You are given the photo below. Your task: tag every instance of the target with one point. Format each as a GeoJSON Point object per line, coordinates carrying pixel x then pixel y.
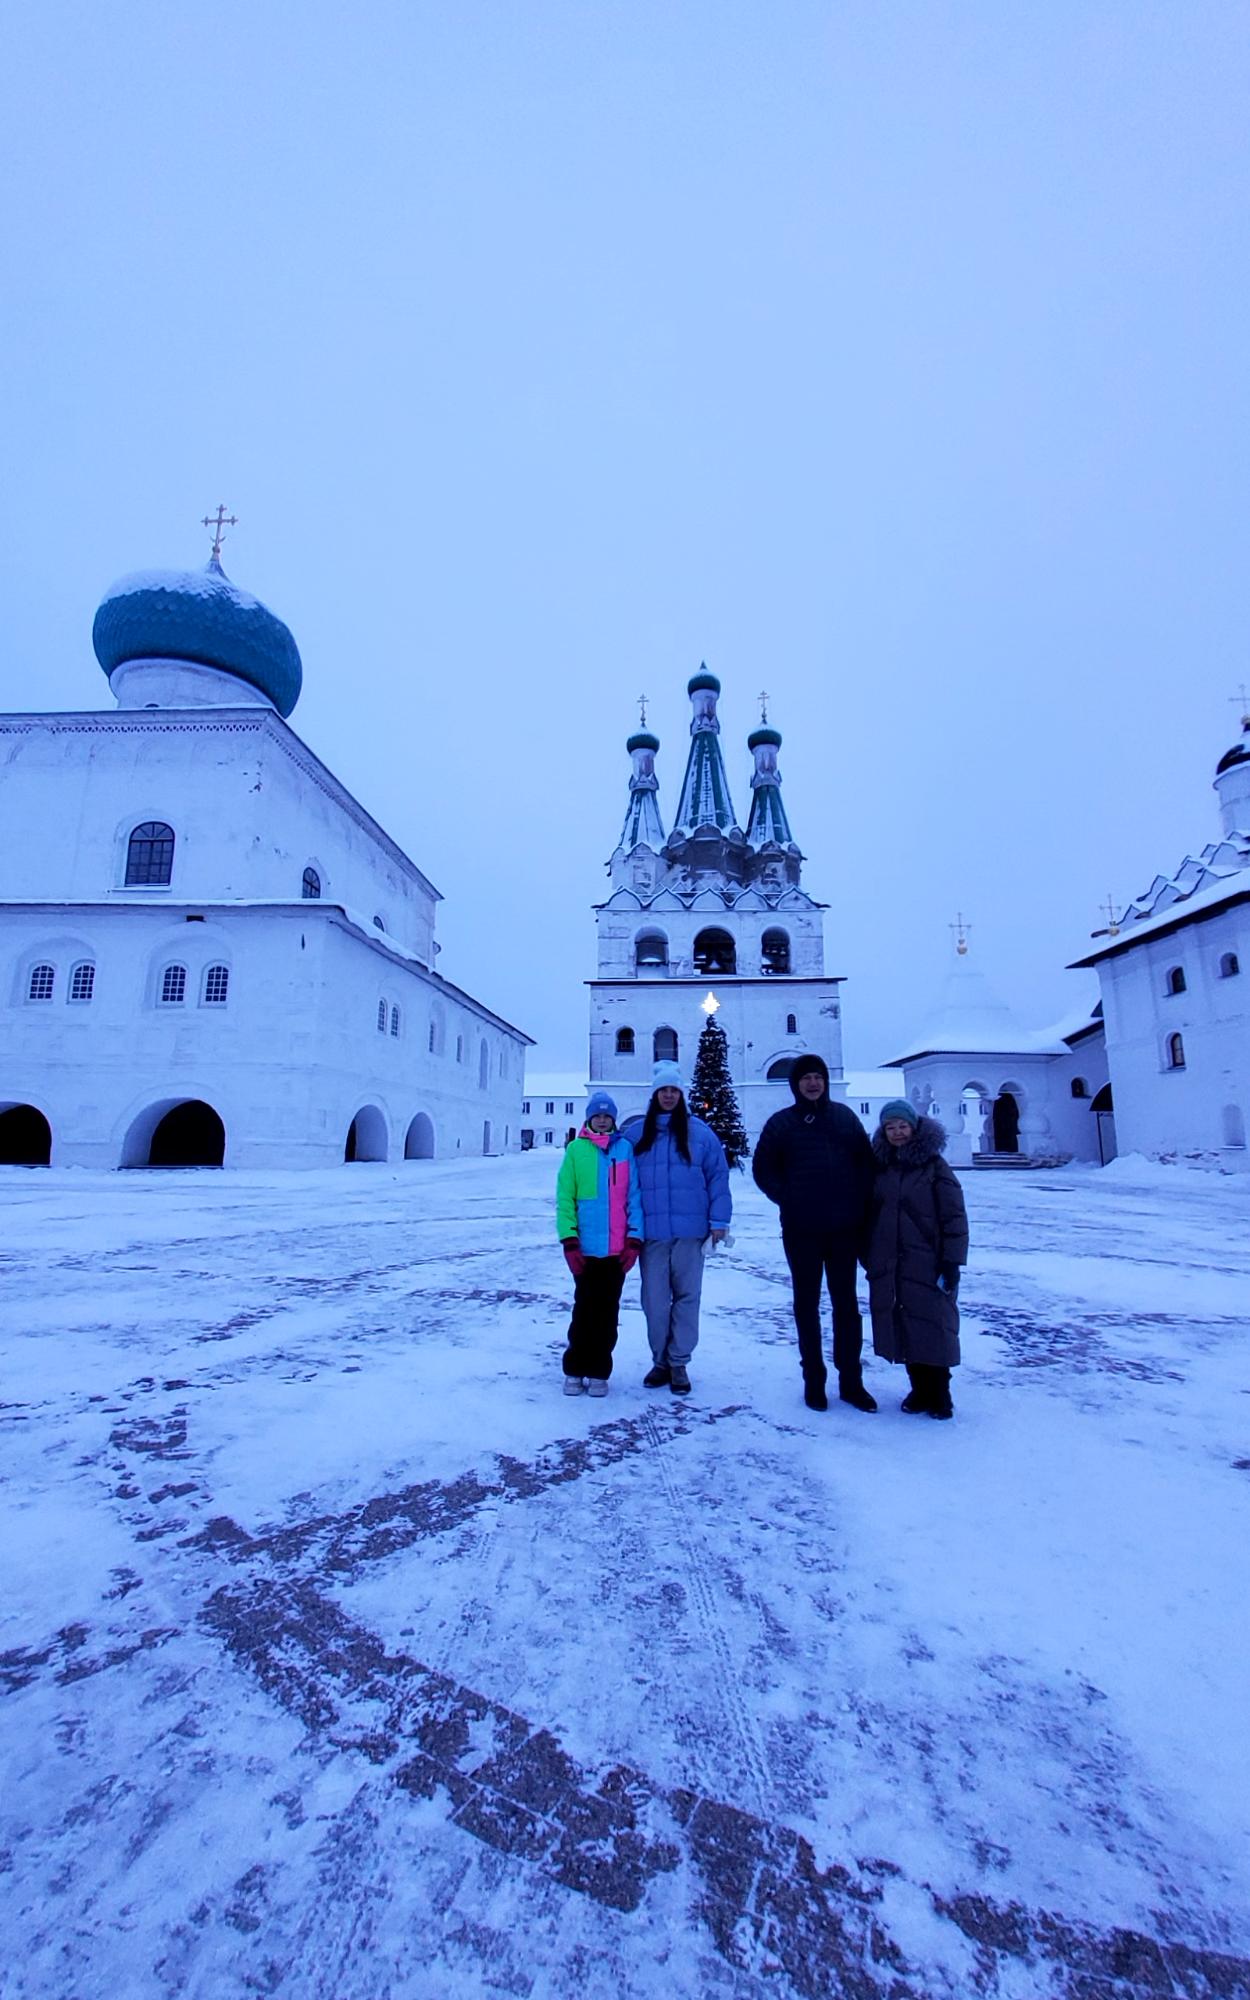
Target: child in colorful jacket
{"type": "Point", "coordinates": [599, 1223]}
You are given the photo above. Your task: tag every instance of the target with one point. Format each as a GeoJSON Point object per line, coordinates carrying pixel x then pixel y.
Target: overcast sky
{"type": "Point", "coordinates": [887, 354]}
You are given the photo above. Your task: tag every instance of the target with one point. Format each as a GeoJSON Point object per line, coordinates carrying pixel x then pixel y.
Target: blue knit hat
{"type": "Point", "coordinates": [667, 1073]}
{"type": "Point", "coordinates": [598, 1101]}
{"type": "Point", "coordinates": [898, 1107]}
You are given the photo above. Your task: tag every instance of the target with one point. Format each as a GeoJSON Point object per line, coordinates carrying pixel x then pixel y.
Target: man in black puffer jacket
{"type": "Point", "coordinates": [814, 1159]}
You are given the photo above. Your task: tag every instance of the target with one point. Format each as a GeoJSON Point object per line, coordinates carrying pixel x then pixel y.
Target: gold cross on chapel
{"type": "Point", "coordinates": [217, 522]}
{"type": "Point", "coordinates": [642, 709]}
{"type": "Point", "coordinates": [961, 927]}
{"type": "Point", "coordinates": [1108, 911]}
{"type": "Point", "coordinates": [1242, 700]}
{"type": "Point", "coordinates": [762, 698]}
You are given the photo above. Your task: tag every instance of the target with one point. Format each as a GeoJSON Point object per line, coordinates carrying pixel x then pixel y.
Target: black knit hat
{"type": "Point", "coordinates": [808, 1066]}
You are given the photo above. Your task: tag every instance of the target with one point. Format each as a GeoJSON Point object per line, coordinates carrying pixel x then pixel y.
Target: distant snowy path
{"type": "Point", "coordinates": [345, 1659]}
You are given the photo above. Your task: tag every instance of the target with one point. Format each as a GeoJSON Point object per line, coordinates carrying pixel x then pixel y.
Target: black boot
{"type": "Point", "coordinates": [814, 1396]}
{"type": "Point", "coordinates": [851, 1390]}
{"type": "Point", "coordinates": [657, 1377]}
{"type": "Point", "coordinates": [916, 1402]}
{"type": "Point", "coordinates": [940, 1404]}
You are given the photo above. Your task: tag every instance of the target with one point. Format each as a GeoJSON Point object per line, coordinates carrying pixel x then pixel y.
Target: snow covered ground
{"type": "Point", "coordinates": [347, 1658]}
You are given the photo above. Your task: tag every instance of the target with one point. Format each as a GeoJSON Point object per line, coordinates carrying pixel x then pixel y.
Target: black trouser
{"type": "Point", "coordinates": [828, 1254]}
{"type": "Point", "coordinates": [596, 1308]}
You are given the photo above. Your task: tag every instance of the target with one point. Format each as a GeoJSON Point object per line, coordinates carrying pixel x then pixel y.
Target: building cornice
{"type": "Point", "coordinates": [774, 981]}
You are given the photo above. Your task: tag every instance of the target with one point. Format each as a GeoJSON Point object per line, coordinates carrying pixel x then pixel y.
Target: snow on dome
{"type": "Point", "coordinates": [201, 617]}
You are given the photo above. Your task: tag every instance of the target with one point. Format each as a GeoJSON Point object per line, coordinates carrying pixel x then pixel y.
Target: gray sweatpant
{"type": "Point", "coordinates": [672, 1278]}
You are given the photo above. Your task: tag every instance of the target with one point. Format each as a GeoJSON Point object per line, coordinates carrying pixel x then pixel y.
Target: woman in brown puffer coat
{"type": "Point", "coordinates": [918, 1243]}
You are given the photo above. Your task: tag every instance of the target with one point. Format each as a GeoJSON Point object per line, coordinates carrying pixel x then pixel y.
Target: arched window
{"type": "Point", "coordinates": [395, 1022]}
{"type": "Point", "coordinates": [624, 1041]}
{"type": "Point", "coordinates": [779, 1071]}
{"type": "Point", "coordinates": [1230, 965]}
{"type": "Point", "coordinates": [650, 948]}
{"type": "Point", "coordinates": [311, 891]}
{"type": "Point", "coordinates": [792, 1024]}
{"type": "Point", "coordinates": [42, 981]}
{"type": "Point", "coordinates": [216, 985]}
{"type": "Point", "coordinates": [1176, 1052]}
{"type": "Point", "coordinates": [150, 855]}
{"type": "Point", "coordinates": [82, 981]}
{"type": "Point", "coordinates": [714, 952]}
{"type": "Point", "coordinates": [664, 1045]}
{"type": "Point", "coordinates": [173, 985]}
{"type": "Point", "coordinates": [483, 1067]}
{"type": "Point", "coordinates": [433, 1038]}
{"type": "Point", "coordinates": [1176, 979]}
{"type": "Point", "coordinates": [775, 951]}
{"type": "Point", "coordinates": [381, 1017]}
{"type": "Point", "coordinates": [1079, 1087]}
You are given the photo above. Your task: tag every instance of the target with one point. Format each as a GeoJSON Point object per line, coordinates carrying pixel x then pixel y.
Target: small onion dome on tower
{"type": "Point", "coordinates": [765, 734]}
{"type": "Point", "coordinates": [703, 679]}
{"type": "Point", "coordinates": [1232, 783]}
{"type": "Point", "coordinates": [642, 739]}
{"type": "Point", "coordinates": [197, 618]}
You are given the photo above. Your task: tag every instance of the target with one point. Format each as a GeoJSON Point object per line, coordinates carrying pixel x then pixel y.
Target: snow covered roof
{"type": "Point", "coordinates": [973, 1020]}
{"type": "Point", "coordinates": [1214, 891]}
{"type": "Point", "coordinates": [556, 1083]}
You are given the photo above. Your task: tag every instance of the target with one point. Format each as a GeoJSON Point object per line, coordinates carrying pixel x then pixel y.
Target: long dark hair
{"type": "Point", "coordinates": [678, 1125]}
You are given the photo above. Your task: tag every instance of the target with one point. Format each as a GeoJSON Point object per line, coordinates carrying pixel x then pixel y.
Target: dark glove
{"type": "Point", "coordinates": [629, 1255]}
{"type": "Point", "coordinates": [948, 1278]}
{"type": "Point", "coordinates": [574, 1256]}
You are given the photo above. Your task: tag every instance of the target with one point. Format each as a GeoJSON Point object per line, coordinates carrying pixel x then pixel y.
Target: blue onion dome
{"type": "Point", "coordinates": [201, 617]}
{"type": "Point", "coordinates": [703, 679]}
{"type": "Point", "coordinates": [767, 734]}
{"type": "Point", "coordinates": [642, 739]}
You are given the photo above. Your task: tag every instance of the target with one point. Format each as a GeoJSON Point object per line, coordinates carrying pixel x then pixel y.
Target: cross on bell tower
{"type": "Point", "coordinates": [217, 522]}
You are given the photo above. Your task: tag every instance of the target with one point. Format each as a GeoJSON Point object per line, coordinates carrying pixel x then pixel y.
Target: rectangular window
{"type": "Point", "coordinates": [568, 1110]}
{"type": "Point", "coordinates": [548, 1138]}
{"type": "Point", "coordinates": [82, 982]}
{"type": "Point", "coordinates": [550, 1107]}
{"type": "Point", "coordinates": [525, 1108]}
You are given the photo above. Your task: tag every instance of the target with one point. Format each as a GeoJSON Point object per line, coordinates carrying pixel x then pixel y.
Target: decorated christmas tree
{"type": "Point", "coordinates": [712, 1093]}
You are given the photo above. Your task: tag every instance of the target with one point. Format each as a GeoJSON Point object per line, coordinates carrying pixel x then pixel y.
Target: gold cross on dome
{"type": "Point", "coordinates": [1108, 911]}
{"type": "Point", "coordinates": [217, 522]}
{"type": "Point", "coordinates": [642, 709]}
{"type": "Point", "coordinates": [762, 698]}
{"type": "Point", "coordinates": [960, 927]}
{"type": "Point", "coordinates": [1242, 700]}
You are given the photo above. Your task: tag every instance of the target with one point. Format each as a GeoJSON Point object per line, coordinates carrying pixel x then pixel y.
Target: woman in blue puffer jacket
{"type": "Point", "coordinates": [683, 1178]}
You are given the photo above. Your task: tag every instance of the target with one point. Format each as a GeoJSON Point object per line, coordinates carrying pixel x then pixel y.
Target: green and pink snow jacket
{"type": "Point", "coordinates": [597, 1193]}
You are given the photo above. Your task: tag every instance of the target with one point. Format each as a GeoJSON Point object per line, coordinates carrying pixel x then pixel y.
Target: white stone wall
{"type": "Point", "coordinates": [249, 804]}
{"type": "Point", "coordinates": [753, 1014]}
{"type": "Point", "coordinates": [1051, 1119]}
{"type": "Point", "coordinates": [1204, 1106]}
{"type": "Point", "coordinates": [287, 1062]}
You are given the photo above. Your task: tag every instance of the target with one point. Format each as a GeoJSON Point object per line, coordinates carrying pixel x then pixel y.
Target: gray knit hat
{"type": "Point", "coordinates": [898, 1107]}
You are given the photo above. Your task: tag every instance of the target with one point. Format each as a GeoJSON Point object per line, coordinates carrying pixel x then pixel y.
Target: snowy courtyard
{"type": "Point", "coordinates": [345, 1657]}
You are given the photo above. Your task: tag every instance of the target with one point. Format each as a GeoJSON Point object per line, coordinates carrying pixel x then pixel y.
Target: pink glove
{"type": "Point", "coordinates": [573, 1256]}
{"type": "Point", "coordinates": [629, 1255]}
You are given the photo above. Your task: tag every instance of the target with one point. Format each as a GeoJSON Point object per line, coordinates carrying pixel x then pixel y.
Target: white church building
{"type": "Point", "coordinates": [1174, 971]}
{"type": "Point", "coordinates": [710, 916]}
{"type": "Point", "coordinates": [210, 953]}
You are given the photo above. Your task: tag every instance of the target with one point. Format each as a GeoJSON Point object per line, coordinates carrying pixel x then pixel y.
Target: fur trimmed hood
{"type": "Point", "coordinates": [926, 1143]}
